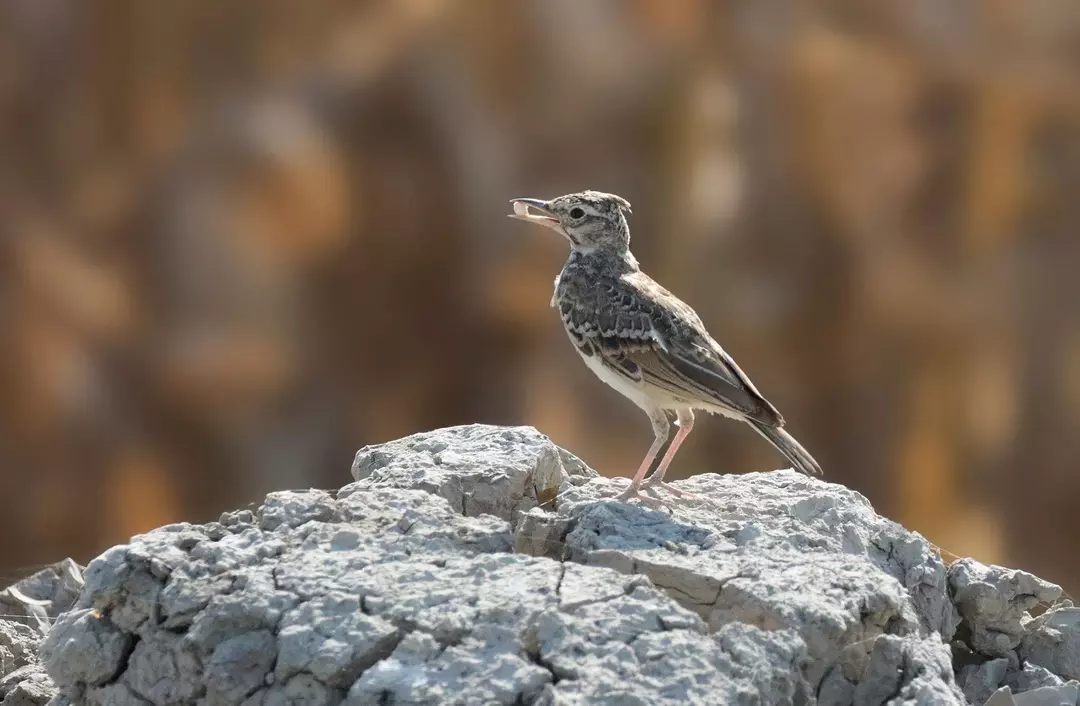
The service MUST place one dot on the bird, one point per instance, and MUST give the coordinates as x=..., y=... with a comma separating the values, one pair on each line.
x=641, y=339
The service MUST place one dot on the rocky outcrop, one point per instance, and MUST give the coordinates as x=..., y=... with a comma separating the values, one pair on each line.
x=29, y=607
x=485, y=565
x=994, y=603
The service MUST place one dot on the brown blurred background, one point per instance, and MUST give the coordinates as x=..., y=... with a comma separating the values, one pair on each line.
x=239, y=240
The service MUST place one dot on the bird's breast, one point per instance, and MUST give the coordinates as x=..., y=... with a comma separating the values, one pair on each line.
x=626, y=386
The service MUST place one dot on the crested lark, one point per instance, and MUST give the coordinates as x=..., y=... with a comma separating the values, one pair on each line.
x=640, y=339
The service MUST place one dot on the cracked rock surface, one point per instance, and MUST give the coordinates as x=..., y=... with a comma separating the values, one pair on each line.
x=776, y=550
x=479, y=469
x=485, y=565
x=1053, y=641
x=994, y=601
x=29, y=608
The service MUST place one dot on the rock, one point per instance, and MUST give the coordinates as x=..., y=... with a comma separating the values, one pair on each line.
x=980, y=681
x=1061, y=695
x=26, y=686
x=37, y=599
x=1025, y=682
x=313, y=639
x=32, y=603
x=85, y=647
x=605, y=642
x=1031, y=676
x=905, y=671
x=993, y=600
x=739, y=665
x=1053, y=642
x=776, y=550
x=18, y=645
x=479, y=469
x=388, y=594
x=485, y=565
x=1001, y=697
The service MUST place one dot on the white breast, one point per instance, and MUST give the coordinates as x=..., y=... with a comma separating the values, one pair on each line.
x=628, y=388
x=635, y=391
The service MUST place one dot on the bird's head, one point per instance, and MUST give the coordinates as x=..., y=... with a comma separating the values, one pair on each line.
x=590, y=220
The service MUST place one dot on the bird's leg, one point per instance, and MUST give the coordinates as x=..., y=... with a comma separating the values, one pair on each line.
x=661, y=429
x=686, y=424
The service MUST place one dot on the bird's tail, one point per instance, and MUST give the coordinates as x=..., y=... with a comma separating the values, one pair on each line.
x=786, y=444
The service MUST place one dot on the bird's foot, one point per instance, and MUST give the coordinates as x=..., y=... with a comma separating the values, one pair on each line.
x=681, y=494
x=635, y=493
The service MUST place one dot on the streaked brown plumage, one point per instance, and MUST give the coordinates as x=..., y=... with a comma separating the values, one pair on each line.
x=640, y=338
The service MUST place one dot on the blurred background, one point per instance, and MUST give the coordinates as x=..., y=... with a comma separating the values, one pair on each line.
x=240, y=240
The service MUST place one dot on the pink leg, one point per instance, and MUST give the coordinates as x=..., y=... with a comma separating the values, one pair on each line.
x=661, y=430
x=686, y=424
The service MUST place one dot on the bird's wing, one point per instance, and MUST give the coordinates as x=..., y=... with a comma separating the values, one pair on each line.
x=648, y=335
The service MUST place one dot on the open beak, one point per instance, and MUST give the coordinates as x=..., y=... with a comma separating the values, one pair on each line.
x=524, y=211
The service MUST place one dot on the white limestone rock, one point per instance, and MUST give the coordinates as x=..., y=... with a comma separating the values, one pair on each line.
x=484, y=564
x=993, y=602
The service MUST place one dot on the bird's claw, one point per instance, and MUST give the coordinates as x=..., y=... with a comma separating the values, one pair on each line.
x=633, y=493
x=681, y=494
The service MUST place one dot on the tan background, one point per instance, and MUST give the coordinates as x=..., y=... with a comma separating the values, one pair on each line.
x=239, y=240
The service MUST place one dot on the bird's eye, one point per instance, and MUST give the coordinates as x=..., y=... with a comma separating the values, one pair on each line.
x=576, y=213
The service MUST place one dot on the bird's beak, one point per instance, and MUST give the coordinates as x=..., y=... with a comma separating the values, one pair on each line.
x=523, y=212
